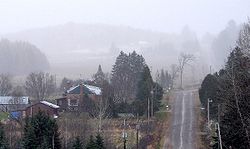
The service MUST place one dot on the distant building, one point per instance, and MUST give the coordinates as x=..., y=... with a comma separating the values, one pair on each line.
x=76, y=95
x=9, y=103
x=43, y=106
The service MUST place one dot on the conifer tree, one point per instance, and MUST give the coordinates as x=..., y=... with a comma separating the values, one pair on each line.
x=41, y=131
x=234, y=89
x=145, y=86
x=77, y=144
x=99, y=142
x=125, y=75
x=91, y=144
x=99, y=77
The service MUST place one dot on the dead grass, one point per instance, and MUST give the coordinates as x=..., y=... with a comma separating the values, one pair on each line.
x=200, y=134
x=166, y=141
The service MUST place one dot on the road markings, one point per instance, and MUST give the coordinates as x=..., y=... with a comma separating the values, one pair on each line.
x=182, y=122
x=191, y=118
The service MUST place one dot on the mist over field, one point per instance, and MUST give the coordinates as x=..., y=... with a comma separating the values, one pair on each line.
x=76, y=37
x=112, y=74
x=74, y=48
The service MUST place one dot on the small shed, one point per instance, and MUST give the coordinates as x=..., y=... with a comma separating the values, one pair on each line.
x=10, y=103
x=44, y=106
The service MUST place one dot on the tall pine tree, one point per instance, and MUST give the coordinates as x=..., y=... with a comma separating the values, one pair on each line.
x=99, y=77
x=235, y=90
x=77, y=144
x=125, y=76
x=145, y=86
x=41, y=131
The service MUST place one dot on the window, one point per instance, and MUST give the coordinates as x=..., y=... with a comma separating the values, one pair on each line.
x=73, y=102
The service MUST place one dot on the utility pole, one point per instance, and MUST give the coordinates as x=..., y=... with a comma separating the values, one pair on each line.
x=53, y=140
x=218, y=113
x=218, y=126
x=208, y=120
x=137, y=133
x=152, y=102
x=148, y=110
x=124, y=134
x=66, y=131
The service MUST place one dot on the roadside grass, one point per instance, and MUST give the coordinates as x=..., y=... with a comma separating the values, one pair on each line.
x=201, y=141
x=4, y=115
x=161, y=115
x=164, y=116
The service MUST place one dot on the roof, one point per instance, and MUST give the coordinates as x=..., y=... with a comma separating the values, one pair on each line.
x=50, y=104
x=9, y=100
x=87, y=89
x=94, y=89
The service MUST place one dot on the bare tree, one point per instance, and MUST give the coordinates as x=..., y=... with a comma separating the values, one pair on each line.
x=244, y=38
x=103, y=106
x=5, y=85
x=18, y=91
x=102, y=112
x=184, y=59
x=40, y=85
x=174, y=73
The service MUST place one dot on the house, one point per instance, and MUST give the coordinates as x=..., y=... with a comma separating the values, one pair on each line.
x=43, y=106
x=9, y=103
x=76, y=95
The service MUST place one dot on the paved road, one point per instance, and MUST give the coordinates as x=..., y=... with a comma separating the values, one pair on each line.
x=183, y=121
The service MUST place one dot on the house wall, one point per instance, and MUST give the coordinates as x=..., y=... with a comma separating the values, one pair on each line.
x=63, y=103
x=32, y=110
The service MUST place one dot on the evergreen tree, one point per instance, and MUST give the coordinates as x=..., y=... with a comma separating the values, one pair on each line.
x=168, y=80
x=234, y=89
x=157, y=96
x=41, y=131
x=125, y=75
x=77, y=144
x=232, y=86
x=99, y=77
x=91, y=144
x=99, y=142
x=157, y=77
x=209, y=90
x=3, y=142
x=119, y=77
x=163, y=79
x=145, y=86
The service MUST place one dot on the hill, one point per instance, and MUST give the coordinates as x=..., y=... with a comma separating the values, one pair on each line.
x=19, y=58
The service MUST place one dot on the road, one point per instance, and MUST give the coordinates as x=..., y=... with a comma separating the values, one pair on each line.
x=182, y=127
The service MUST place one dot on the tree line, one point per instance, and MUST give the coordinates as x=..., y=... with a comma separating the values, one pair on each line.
x=229, y=90
x=41, y=132
x=38, y=86
x=21, y=58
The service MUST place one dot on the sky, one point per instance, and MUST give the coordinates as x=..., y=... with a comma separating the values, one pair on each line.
x=157, y=15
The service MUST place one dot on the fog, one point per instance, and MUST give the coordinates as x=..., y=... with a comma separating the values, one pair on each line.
x=78, y=35
x=160, y=15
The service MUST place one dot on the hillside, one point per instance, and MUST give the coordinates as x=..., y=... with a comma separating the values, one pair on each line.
x=19, y=58
x=77, y=49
